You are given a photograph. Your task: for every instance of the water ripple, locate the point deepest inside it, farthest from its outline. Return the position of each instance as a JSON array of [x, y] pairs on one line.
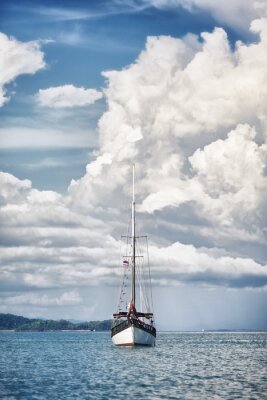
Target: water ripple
[[85, 365]]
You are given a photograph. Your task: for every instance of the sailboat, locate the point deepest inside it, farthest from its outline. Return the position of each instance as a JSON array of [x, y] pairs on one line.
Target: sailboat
[[133, 322]]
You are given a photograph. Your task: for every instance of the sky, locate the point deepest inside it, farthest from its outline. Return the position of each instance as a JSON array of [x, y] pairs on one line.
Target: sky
[[178, 87]]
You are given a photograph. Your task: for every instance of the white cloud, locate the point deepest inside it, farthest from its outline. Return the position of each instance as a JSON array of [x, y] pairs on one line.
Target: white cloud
[[17, 58], [185, 263], [46, 137], [51, 246], [238, 13], [67, 96], [66, 299], [185, 95], [103, 10], [231, 173], [229, 180], [60, 14], [12, 188]]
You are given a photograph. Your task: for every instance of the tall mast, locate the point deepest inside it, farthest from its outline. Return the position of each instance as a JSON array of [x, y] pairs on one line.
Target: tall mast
[[133, 243]]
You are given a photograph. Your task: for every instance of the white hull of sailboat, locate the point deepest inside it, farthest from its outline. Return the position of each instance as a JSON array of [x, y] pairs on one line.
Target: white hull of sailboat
[[133, 336]]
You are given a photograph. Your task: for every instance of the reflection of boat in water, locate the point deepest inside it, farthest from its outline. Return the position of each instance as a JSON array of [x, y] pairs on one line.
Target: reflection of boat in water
[[129, 326]]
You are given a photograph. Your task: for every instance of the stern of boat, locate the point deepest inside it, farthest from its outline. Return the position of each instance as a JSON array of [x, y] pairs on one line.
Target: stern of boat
[[131, 332]]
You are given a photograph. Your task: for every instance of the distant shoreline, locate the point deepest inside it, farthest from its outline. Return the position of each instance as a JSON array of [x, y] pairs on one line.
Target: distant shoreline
[[19, 323], [16, 323], [56, 330]]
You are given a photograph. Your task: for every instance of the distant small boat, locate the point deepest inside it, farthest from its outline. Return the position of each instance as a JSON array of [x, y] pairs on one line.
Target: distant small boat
[[129, 326]]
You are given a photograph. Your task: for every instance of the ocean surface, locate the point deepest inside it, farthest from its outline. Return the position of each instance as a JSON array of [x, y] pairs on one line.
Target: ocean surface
[[85, 365]]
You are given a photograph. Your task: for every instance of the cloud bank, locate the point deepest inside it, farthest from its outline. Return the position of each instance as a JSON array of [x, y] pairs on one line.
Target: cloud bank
[[47, 245]]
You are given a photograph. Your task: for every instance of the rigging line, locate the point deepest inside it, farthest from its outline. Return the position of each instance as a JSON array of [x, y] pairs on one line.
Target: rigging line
[[141, 277], [122, 280], [144, 284], [123, 287], [144, 288], [142, 292], [139, 269], [144, 296], [148, 261]]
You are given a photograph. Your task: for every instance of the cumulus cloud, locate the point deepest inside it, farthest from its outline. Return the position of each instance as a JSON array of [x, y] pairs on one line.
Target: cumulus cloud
[[195, 124], [67, 96], [229, 181], [12, 188], [17, 58], [232, 175]]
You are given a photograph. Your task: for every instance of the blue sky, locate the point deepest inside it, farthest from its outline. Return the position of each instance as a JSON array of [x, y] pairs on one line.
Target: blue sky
[[176, 86]]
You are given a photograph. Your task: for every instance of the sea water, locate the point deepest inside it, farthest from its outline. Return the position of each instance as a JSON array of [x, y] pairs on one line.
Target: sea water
[[85, 365]]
